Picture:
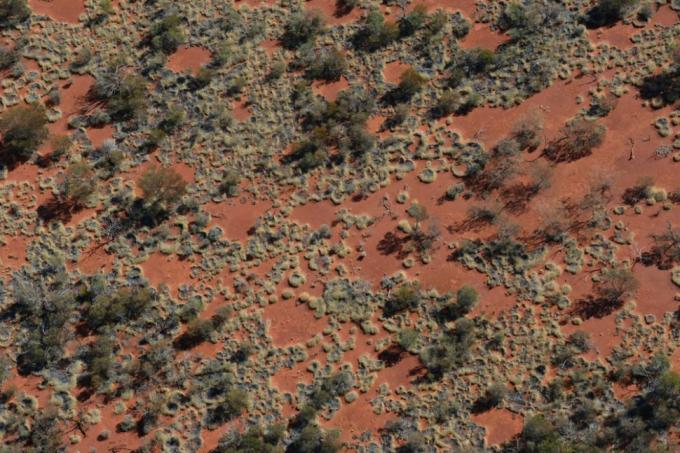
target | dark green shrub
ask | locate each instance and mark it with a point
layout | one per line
(413, 21)
(229, 185)
(166, 34)
(466, 299)
(302, 28)
(406, 297)
(329, 66)
(233, 404)
(410, 83)
(375, 33)
(607, 12)
(493, 396)
(255, 440)
(313, 440)
(124, 95)
(13, 12)
(122, 306)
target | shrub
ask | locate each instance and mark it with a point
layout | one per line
(302, 28)
(122, 306)
(493, 396)
(450, 350)
(578, 139)
(667, 246)
(410, 83)
(607, 12)
(198, 331)
(407, 338)
(8, 57)
(329, 66)
(23, 130)
(466, 299)
(375, 33)
(528, 130)
(414, 21)
(235, 401)
(13, 12)
(166, 34)
(313, 440)
(124, 95)
(255, 440)
(406, 297)
(616, 284)
(307, 156)
(230, 182)
(162, 187)
(79, 183)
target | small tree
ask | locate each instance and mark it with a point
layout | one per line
(329, 66)
(607, 12)
(414, 21)
(123, 95)
(13, 12)
(375, 33)
(301, 29)
(578, 139)
(230, 182)
(493, 396)
(406, 297)
(667, 245)
(616, 284)
(166, 35)
(528, 130)
(410, 83)
(161, 187)
(23, 130)
(79, 183)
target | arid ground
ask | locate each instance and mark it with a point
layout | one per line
(328, 226)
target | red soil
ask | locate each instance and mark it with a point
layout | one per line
(188, 59)
(236, 218)
(254, 3)
(117, 440)
(328, 11)
(240, 111)
(59, 10)
(73, 97)
(100, 134)
(330, 90)
(482, 36)
(392, 71)
(501, 425)
(270, 45)
(95, 260)
(291, 323)
(164, 269)
(13, 253)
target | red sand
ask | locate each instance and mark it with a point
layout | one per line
(270, 45)
(100, 135)
(240, 111)
(188, 59)
(392, 71)
(501, 425)
(482, 36)
(330, 90)
(164, 269)
(328, 11)
(236, 218)
(59, 10)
